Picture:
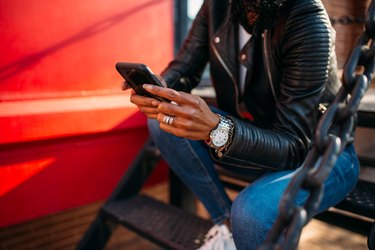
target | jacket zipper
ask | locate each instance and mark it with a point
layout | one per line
(230, 75)
(267, 63)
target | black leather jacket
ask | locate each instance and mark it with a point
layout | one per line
(293, 70)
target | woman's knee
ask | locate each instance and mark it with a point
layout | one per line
(249, 208)
(252, 217)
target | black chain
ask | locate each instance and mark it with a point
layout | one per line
(357, 77)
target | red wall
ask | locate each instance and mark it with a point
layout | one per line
(67, 131)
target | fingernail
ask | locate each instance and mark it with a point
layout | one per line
(147, 86)
(155, 103)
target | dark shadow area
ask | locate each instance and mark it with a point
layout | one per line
(349, 223)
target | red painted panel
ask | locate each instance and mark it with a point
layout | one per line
(67, 131)
(67, 173)
(67, 45)
(15, 174)
(50, 118)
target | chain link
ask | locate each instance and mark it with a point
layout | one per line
(357, 76)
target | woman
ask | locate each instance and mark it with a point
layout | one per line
(272, 63)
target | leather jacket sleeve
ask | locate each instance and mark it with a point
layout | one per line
(306, 49)
(185, 71)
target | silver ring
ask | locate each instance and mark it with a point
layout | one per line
(168, 119)
(170, 122)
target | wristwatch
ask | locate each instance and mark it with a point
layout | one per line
(221, 136)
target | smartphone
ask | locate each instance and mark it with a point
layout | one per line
(137, 74)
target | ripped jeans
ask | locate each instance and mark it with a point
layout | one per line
(254, 210)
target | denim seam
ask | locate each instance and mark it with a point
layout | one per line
(221, 201)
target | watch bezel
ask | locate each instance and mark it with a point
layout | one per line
(216, 133)
(224, 124)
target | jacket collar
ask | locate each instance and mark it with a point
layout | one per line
(227, 37)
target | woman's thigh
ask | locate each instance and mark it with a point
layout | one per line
(256, 207)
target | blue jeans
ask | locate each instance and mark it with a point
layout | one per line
(255, 209)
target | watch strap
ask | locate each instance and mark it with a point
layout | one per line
(220, 151)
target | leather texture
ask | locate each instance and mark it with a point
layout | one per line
(292, 70)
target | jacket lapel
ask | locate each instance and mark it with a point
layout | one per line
(227, 37)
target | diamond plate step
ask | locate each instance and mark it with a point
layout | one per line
(164, 224)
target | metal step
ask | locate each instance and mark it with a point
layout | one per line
(361, 200)
(168, 226)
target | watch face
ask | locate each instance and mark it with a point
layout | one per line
(220, 137)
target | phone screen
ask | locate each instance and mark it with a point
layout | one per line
(138, 74)
(136, 79)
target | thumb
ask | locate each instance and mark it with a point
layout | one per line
(124, 85)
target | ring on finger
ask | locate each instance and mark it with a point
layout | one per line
(168, 119)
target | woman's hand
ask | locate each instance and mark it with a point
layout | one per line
(192, 118)
(124, 85)
(146, 105)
